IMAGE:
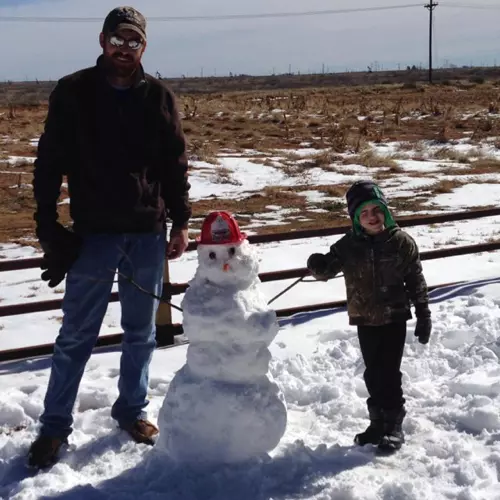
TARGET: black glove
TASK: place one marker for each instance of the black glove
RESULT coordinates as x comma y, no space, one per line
423,329
61,249
318,266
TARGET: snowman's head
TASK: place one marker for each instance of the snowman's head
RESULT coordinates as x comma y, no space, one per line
232,264
225,257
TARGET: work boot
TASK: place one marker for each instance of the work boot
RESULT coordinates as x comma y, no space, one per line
142,431
374,431
393,437
44,451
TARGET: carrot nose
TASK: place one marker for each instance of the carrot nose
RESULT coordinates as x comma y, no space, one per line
225,267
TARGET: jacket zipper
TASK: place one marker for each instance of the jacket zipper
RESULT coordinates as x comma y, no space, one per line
373,268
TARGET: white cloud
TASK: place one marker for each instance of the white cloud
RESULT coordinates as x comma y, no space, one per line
50,50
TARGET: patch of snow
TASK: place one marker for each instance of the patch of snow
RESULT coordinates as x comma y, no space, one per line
452,427
13,161
469,195
424,166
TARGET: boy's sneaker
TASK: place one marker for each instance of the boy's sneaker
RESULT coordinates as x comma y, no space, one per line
44,451
142,431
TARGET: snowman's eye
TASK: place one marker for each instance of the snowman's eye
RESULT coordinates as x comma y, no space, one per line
232,251
212,255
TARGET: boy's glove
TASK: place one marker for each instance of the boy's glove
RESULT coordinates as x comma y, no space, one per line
318,266
423,330
424,323
61,249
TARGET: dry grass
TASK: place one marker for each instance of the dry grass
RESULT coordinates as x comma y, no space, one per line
335,120
447,153
224,176
297,169
325,117
204,151
371,159
255,203
323,159
336,207
336,191
446,186
481,166
485,166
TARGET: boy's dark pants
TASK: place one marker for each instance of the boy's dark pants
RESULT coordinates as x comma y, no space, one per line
382,349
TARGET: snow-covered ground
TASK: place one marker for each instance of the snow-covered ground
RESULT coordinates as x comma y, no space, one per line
452,385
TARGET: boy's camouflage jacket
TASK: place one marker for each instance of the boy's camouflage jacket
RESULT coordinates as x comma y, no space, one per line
382,274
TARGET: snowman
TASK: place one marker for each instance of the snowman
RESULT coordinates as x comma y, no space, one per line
223,406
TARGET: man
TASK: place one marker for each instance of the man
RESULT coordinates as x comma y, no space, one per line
114,131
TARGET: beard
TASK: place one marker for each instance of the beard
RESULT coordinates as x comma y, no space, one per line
121,68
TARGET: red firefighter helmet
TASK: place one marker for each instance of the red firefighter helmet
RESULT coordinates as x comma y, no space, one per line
220,228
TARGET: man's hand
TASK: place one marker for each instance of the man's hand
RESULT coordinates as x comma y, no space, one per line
61,248
54,271
178,242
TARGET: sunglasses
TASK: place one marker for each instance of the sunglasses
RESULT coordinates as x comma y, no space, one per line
118,41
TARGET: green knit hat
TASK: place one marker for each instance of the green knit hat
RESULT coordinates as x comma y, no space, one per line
388,218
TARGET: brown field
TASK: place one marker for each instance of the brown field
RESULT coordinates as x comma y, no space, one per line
260,122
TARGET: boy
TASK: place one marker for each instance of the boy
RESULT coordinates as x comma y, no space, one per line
382,273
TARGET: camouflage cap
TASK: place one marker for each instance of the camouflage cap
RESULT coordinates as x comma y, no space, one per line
125,18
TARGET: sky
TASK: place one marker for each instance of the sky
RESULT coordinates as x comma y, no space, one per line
257,46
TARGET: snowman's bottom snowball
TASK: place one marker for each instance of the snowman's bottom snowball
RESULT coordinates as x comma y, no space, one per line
216,422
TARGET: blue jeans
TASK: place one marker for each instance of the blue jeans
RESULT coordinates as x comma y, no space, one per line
88,287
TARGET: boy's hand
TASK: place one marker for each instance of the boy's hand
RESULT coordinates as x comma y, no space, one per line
423,330
318,266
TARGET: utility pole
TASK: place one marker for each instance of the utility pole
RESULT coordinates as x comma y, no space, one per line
430,6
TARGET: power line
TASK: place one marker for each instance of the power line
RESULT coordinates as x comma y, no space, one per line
471,6
226,17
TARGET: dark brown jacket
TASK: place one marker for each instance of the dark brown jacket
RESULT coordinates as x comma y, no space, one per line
123,152
382,273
